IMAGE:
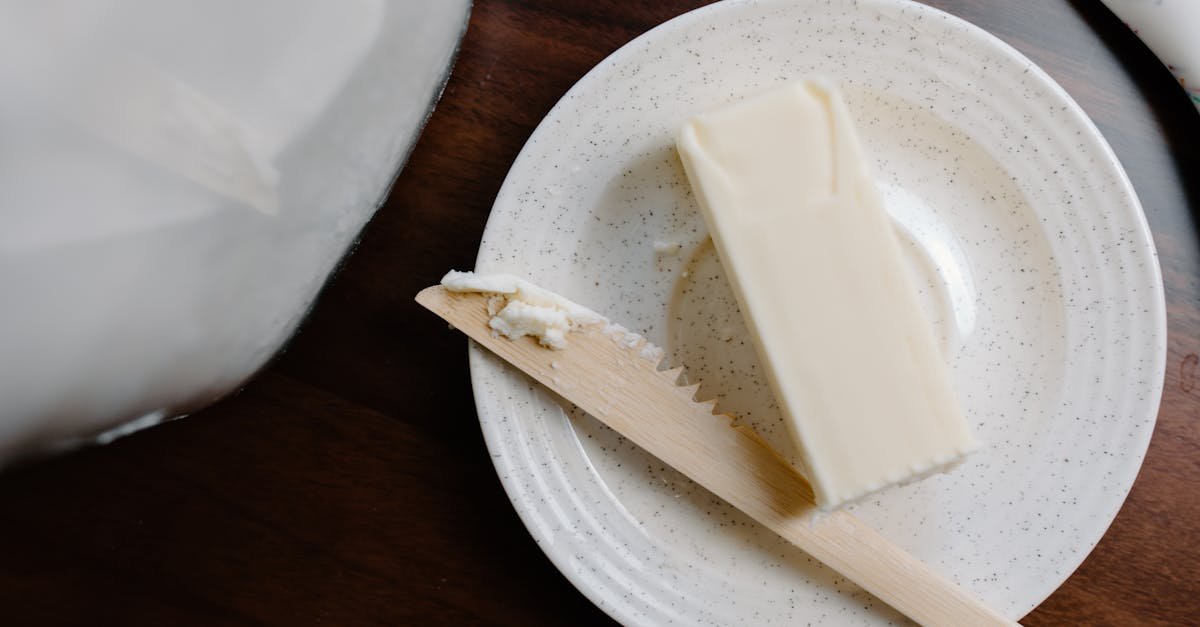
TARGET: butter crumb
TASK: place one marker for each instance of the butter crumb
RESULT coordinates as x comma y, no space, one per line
666,248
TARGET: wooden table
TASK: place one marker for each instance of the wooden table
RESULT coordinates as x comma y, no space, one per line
348,483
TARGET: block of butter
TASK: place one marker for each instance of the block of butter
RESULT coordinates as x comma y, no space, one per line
818,273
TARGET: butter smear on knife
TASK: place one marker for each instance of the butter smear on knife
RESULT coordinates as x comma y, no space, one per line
520,308
818,273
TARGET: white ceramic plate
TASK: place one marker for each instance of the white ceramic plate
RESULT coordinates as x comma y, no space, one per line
1036,264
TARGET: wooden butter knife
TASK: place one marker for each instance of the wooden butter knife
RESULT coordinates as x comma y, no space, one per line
609,378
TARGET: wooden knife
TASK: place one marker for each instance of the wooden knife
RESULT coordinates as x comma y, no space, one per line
611,378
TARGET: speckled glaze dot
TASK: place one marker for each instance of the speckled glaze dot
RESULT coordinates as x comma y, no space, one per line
1032,255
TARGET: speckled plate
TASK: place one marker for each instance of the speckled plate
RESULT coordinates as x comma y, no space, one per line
1035,263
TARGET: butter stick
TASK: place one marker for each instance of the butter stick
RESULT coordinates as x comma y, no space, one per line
818,273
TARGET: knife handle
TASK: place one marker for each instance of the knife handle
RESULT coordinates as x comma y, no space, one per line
853,549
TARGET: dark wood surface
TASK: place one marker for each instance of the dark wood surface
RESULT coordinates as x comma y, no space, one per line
348,484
